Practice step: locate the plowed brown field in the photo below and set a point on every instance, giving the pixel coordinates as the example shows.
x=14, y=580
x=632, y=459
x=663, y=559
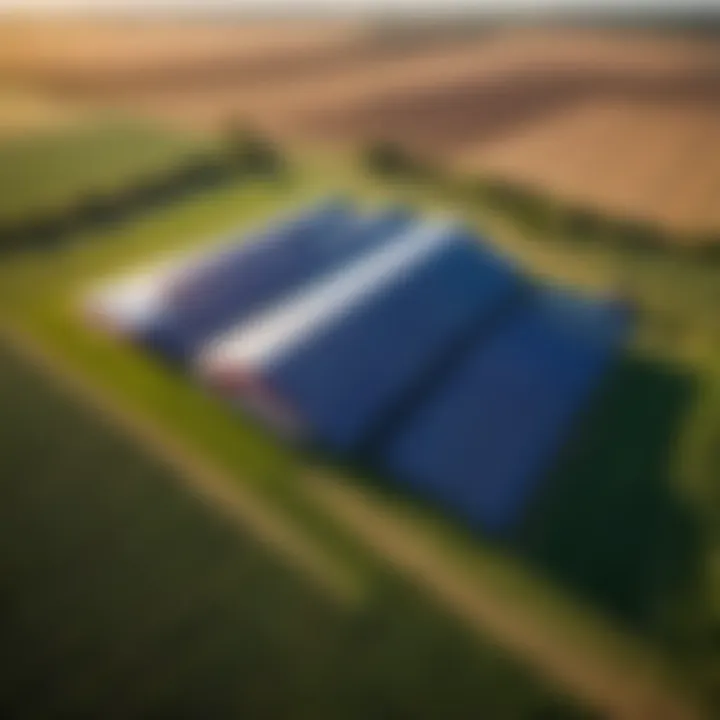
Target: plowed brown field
x=625, y=121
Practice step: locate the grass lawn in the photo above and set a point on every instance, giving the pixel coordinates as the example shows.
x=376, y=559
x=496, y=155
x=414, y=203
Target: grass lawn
x=46, y=170
x=673, y=389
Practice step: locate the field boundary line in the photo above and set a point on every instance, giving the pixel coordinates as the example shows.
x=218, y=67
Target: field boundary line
x=209, y=484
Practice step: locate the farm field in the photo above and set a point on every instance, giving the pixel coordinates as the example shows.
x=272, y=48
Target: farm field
x=22, y=112
x=124, y=597
x=93, y=52
x=645, y=162
x=54, y=169
x=552, y=108
x=680, y=378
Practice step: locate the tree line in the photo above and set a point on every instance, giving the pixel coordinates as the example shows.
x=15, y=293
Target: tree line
x=538, y=214
x=242, y=154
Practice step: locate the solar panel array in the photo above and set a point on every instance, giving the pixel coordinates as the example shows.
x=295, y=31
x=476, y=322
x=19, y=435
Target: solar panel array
x=405, y=341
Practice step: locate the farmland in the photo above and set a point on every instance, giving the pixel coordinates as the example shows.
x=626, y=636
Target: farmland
x=637, y=493
x=53, y=169
x=565, y=111
x=630, y=160
x=123, y=597
x=40, y=293
x=22, y=111
x=105, y=541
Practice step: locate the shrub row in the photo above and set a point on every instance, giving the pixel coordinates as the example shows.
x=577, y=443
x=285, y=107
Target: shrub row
x=540, y=215
x=243, y=156
x=391, y=161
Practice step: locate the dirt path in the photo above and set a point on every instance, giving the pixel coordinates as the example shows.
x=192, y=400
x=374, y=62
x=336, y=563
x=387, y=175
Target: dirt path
x=206, y=482
x=611, y=674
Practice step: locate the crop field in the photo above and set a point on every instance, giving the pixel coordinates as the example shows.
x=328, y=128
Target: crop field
x=624, y=121
x=105, y=542
x=124, y=597
x=93, y=53
x=632, y=160
x=21, y=112
x=650, y=444
x=52, y=169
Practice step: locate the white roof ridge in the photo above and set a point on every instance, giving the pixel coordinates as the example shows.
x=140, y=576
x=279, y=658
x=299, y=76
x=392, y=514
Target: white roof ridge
x=286, y=323
x=141, y=291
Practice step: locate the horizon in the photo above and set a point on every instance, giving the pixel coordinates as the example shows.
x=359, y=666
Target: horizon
x=412, y=9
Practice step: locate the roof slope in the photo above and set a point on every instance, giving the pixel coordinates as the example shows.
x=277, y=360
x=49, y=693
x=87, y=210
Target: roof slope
x=345, y=352
x=480, y=443
x=242, y=279
x=132, y=303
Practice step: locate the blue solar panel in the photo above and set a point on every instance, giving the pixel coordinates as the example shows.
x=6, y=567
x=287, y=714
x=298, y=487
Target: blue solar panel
x=246, y=277
x=481, y=442
x=346, y=377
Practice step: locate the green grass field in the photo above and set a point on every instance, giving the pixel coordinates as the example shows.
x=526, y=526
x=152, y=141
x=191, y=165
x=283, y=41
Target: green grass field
x=640, y=485
x=48, y=172
x=123, y=597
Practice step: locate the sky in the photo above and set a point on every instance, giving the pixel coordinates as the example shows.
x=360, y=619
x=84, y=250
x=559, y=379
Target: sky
x=338, y=5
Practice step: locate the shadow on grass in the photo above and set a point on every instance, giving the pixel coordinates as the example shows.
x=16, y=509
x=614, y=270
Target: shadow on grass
x=609, y=523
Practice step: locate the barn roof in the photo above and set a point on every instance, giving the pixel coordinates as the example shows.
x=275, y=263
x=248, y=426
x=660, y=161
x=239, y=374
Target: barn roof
x=130, y=302
x=308, y=311
x=345, y=352
x=247, y=282
x=482, y=440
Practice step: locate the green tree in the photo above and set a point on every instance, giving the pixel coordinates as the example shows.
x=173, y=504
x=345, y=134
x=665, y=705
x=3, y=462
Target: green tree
x=581, y=223
x=388, y=159
x=636, y=235
x=707, y=247
x=253, y=153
